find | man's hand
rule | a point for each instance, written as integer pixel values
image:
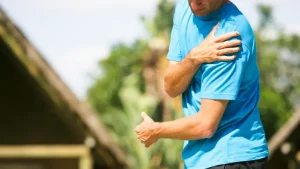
(146, 131)
(215, 48)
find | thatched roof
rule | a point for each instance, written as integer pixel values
(285, 133)
(81, 119)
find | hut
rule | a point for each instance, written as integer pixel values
(42, 124)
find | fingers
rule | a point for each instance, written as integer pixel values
(214, 29)
(146, 144)
(226, 58)
(227, 36)
(146, 117)
(228, 51)
(137, 129)
(143, 114)
(230, 43)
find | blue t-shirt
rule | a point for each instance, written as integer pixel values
(240, 135)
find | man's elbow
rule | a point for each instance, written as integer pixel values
(169, 88)
(205, 131)
(208, 133)
(170, 91)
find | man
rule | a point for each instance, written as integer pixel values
(222, 126)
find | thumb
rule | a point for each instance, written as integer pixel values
(146, 117)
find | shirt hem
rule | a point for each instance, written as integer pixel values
(173, 59)
(235, 159)
(222, 96)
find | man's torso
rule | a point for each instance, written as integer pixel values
(240, 135)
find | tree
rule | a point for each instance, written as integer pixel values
(278, 60)
(162, 22)
(131, 84)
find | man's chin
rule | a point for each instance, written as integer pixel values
(200, 13)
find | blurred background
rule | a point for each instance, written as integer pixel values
(76, 74)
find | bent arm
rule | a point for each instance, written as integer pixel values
(199, 126)
(179, 75)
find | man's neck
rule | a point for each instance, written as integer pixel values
(226, 1)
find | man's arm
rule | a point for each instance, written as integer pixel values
(199, 126)
(220, 82)
(179, 74)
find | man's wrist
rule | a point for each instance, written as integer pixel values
(157, 129)
(196, 61)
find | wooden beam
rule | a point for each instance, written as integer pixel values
(81, 152)
(85, 162)
(44, 151)
(284, 132)
(298, 156)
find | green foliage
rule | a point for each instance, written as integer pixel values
(121, 62)
(119, 97)
(279, 61)
(162, 22)
(274, 110)
(265, 12)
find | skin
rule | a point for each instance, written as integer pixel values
(199, 126)
(177, 78)
(205, 7)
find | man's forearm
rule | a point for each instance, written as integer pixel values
(198, 126)
(188, 128)
(178, 77)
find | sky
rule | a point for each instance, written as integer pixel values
(73, 35)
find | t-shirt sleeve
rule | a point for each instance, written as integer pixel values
(222, 80)
(174, 53)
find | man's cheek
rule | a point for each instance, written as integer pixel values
(195, 6)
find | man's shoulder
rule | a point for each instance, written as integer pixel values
(235, 20)
(181, 9)
(181, 5)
